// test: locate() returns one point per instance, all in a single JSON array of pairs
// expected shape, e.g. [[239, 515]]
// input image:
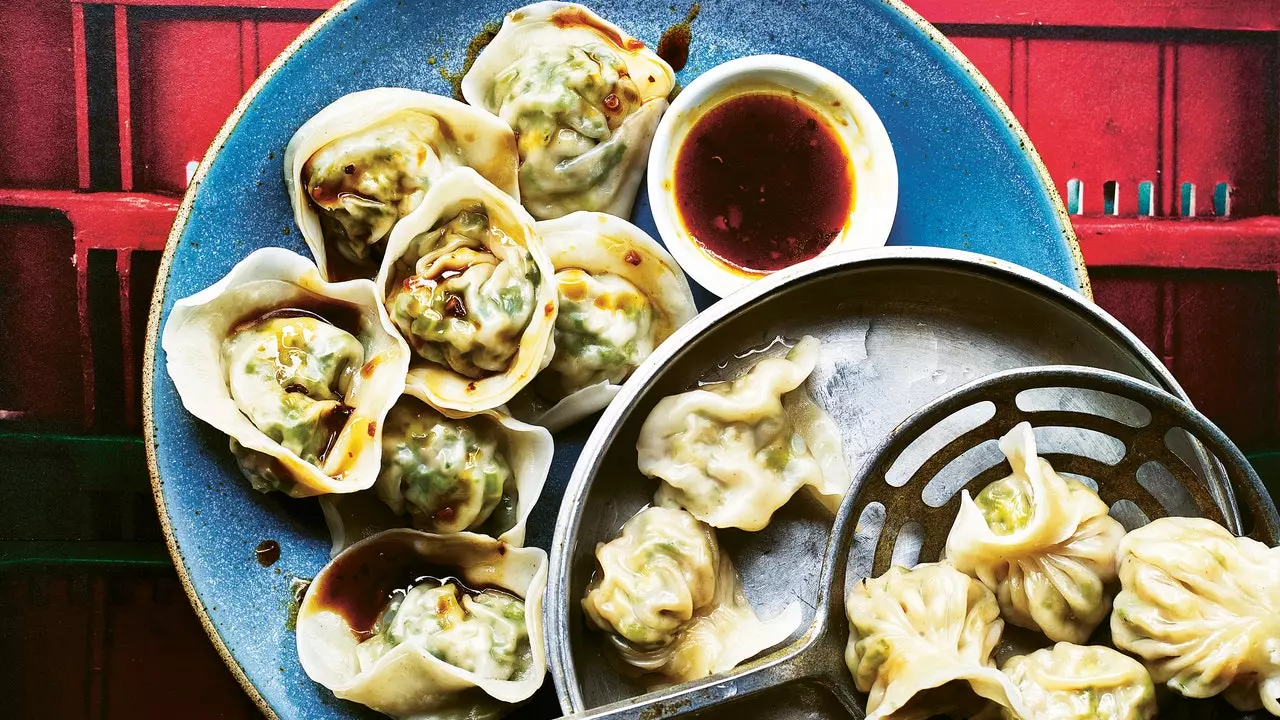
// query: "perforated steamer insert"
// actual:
[[1148, 453]]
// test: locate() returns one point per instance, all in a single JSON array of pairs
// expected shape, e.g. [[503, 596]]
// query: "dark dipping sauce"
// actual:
[[762, 182], [359, 586]]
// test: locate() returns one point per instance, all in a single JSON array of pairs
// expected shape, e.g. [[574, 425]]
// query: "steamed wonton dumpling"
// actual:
[[1074, 682], [380, 626], [368, 158], [584, 98], [734, 452], [621, 295], [468, 284], [670, 601], [300, 373], [920, 645], [1042, 542], [1202, 609]]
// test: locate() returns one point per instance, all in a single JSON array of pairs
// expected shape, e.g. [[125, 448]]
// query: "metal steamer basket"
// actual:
[[1147, 452]]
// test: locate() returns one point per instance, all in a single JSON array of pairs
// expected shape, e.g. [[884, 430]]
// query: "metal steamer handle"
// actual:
[[817, 657]]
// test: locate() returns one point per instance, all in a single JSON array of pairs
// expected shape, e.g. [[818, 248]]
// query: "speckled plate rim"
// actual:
[[228, 127]]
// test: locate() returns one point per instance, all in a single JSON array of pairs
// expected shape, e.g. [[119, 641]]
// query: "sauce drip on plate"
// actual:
[[762, 182]]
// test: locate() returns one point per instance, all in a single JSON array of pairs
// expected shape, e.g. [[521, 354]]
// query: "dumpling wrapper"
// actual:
[[528, 450], [584, 98], [459, 136], [920, 644], [1042, 542], [443, 386], [1201, 607], [597, 324], [407, 681], [273, 279], [732, 453], [670, 601], [1074, 682]]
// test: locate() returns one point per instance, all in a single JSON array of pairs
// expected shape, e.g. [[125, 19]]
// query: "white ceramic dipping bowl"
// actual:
[[875, 171]]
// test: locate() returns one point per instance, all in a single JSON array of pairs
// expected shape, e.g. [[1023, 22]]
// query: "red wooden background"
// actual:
[[1157, 120]]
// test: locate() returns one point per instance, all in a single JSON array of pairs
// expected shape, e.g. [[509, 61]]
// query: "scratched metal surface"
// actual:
[[1147, 429], [899, 327]]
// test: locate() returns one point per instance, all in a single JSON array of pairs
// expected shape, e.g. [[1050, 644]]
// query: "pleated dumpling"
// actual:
[[621, 295], [299, 372], [920, 645], [1042, 542], [670, 602], [1201, 607], [468, 284], [732, 453], [1075, 682], [584, 98], [427, 626], [482, 473], [368, 158]]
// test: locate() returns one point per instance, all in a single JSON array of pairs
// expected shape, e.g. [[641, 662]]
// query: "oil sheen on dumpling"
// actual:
[[429, 627], [1202, 609], [731, 453], [584, 99], [449, 475], [669, 601], [482, 632], [920, 645], [602, 329], [367, 160], [1074, 682], [468, 284], [364, 182], [289, 376], [469, 296], [621, 295], [1042, 542]]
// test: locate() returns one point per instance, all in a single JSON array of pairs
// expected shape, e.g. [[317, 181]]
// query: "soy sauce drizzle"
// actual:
[[360, 586], [267, 553]]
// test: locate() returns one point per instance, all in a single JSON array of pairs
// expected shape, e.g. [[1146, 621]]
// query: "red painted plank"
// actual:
[[160, 659], [1225, 109], [1248, 244], [105, 220], [81, 61], [991, 56], [38, 129], [41, 353], [46, 627], [184, 96], [265, 4], [273, 37], [1224, 349], [1092, 111], [123, 97], [1171, 14]]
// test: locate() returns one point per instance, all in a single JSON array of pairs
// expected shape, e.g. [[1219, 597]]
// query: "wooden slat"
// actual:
[[1156, 14], [1246, 244]]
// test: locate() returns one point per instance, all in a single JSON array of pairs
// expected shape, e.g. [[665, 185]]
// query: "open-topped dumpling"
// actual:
[[1201, 607], [920, 645], [300, 373], [621, 295], [482, 474], [1074, 682], [1042, 542], [367, 159], [732, 453], [584, 98], [427, 626], [468, 284], [670, 602]]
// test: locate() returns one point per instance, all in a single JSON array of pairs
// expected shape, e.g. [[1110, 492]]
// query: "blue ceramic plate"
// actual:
[[969, 180]]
